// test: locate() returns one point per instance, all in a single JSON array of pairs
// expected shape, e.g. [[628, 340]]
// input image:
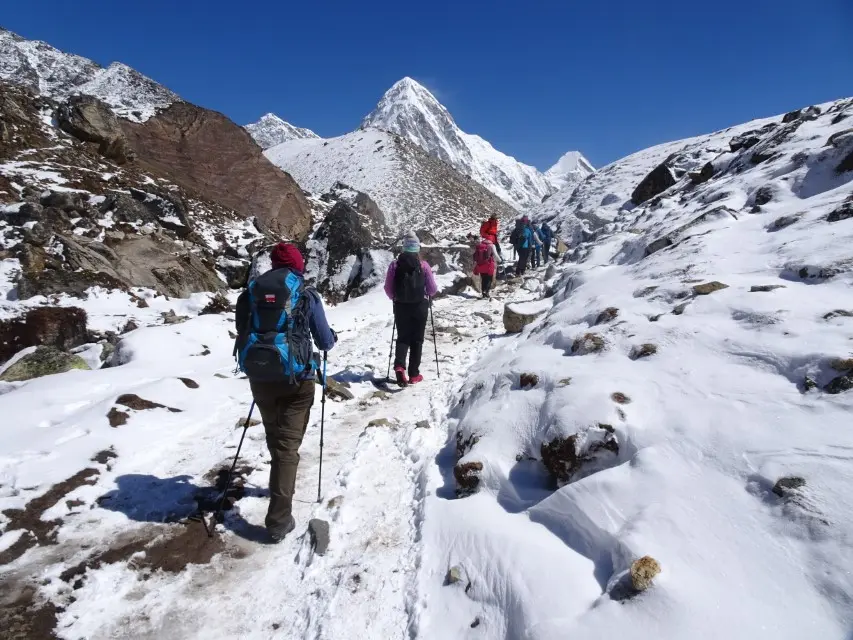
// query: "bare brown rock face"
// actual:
[[204, 152]]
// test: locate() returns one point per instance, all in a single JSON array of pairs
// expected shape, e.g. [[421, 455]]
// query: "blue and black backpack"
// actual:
[[277, 345]]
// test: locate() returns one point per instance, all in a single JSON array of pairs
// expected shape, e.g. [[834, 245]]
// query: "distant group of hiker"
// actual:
[[278, 317], [529, 240]]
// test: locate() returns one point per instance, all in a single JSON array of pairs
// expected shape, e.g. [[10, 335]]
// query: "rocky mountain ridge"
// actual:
[[198, 149], [271, 130]]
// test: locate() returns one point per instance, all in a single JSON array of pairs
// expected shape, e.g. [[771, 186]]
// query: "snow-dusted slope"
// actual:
[[412, 188], [56, 74], [688, 388], [271, 130], [412, 111], [570, 170]]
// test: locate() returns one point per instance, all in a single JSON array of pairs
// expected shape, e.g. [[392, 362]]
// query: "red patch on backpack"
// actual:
[[269, 297]]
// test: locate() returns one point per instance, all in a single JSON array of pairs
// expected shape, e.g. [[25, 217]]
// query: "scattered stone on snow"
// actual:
[[809, 384], [218, 304], [189, 383], [703, 175], [656, 182], [170, 317], [643, 571], [840, 384], [643, 351], [220, 375], [528, 380], [842, 364], [484, 316], [784, 221], [708, 288], [677, 310], [838, 313], [380, 422], [319, 530], [585, 452], [422, 424], [844, 212], [117, 418], [784, 486], [454, 575], [609, 314], [642, 293], [129, 326], [620, 398], [564, 382], [133, 401], [467, 475], [655, 317], [588, 343], [763, 288], [337, 390], [44, 361]]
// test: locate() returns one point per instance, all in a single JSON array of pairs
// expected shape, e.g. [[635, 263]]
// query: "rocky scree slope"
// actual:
[[271, 130], [72, 218], [200, 150], [413, 189], [679, 398]]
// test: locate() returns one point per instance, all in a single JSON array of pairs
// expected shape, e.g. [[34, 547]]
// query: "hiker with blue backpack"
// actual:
[[410, 284], [277, 317]]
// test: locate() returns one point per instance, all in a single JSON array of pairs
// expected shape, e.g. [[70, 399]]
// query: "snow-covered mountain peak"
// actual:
[[571, 168], [56, 74], [271, 130], [410, 110]]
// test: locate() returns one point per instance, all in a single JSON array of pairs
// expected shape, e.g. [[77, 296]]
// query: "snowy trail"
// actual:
[[376, 481]]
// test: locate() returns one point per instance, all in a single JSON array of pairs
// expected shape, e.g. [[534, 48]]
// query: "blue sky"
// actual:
[[535, 78]]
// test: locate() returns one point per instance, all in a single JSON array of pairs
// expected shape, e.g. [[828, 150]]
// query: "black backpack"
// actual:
[[516, 237], [277, 346], [409, 282]]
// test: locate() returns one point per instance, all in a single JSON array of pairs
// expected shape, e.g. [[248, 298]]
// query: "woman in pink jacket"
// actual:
[[410, 284]]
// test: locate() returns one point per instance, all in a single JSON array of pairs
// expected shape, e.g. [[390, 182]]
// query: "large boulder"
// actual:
[[517, 316], [60, 327], [342, 253], [573, 457], [659, 180], [205, 152], [90, 120], [44, 361], [372, 217]]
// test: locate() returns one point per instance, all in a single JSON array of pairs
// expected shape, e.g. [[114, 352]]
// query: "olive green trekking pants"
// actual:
[[285, 409]]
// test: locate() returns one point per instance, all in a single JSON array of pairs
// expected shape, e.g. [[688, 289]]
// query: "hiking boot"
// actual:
[[278, 533], [416, 379], [402, 380]]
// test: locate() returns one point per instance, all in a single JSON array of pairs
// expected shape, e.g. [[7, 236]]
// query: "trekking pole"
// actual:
[[434, 343], [322, 423], [391, 351], [217, 515]]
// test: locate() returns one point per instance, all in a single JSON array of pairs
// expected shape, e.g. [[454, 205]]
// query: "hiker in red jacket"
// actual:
[[489, 230], [485, 264]]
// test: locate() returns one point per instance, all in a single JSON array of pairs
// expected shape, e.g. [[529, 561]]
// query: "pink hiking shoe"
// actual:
[[416, 379], [402, 380]]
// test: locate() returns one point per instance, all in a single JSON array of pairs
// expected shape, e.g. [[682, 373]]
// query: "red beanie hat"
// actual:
[[287, 255]]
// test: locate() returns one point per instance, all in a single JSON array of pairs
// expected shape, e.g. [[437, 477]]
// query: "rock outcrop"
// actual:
[[60, 327], [44, 361], [659, 180], [206, 153], [90, 120]]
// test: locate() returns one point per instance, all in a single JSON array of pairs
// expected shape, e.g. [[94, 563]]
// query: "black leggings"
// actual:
[[411, 322]]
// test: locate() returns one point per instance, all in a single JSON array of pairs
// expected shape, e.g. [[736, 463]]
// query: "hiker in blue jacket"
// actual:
[[547, 236], [523, 239]]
